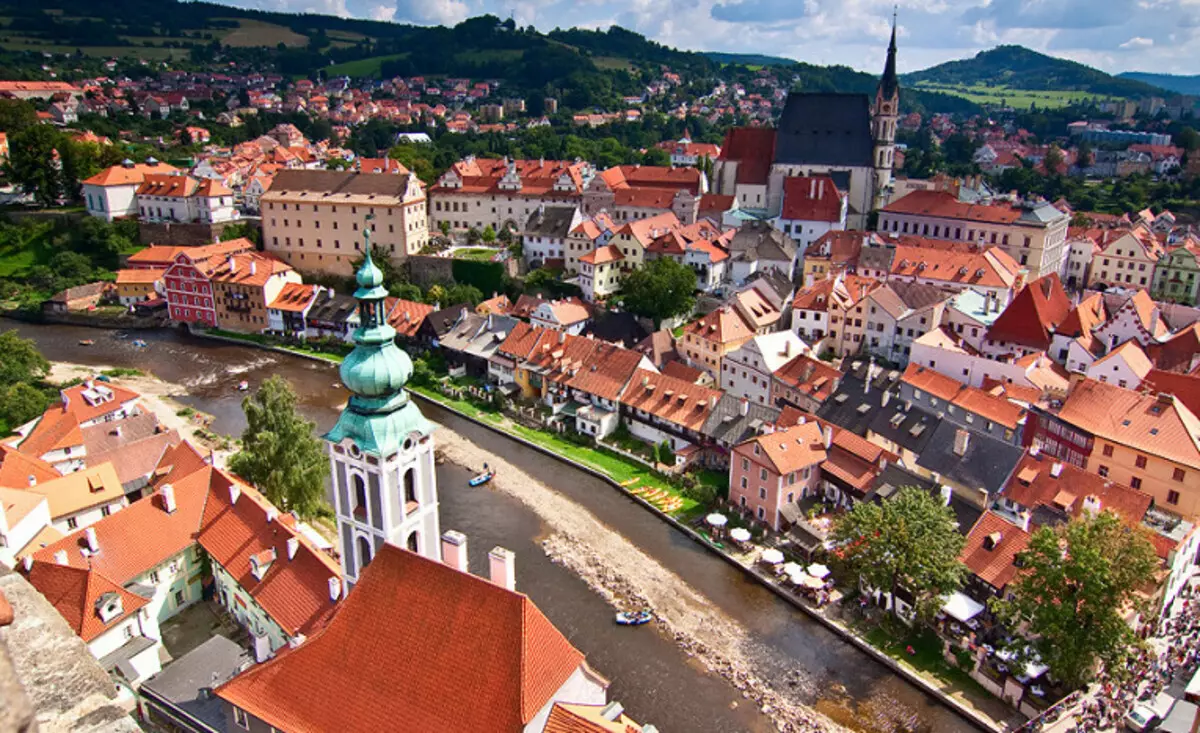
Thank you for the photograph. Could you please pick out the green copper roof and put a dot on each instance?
(379, 415)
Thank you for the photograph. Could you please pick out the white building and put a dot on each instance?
(600, 273)
(747, 371)
(112, 193)
(561, 315)
(546, 234)
(181, 198)
(812, 207)
(23, 514)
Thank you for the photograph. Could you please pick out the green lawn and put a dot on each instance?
(893, 639)
(251, 33)
(479, 254)
(24, 247)
(1016, 98)
(362, 67)
(613, 63)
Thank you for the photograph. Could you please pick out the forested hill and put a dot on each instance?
(1020, 68)
(1178, 83)
(747, 59)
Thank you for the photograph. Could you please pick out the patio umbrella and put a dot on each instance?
(740, 534)
(810, 582)
(716, 520)
(793, 569)
(817, 570)
(771, 556)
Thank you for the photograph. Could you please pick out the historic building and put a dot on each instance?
(381, 449)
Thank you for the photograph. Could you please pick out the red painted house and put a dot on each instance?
(189, 291)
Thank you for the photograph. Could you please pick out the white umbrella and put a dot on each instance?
(810, 582)
(793, 569)
(817, 570)
(771, 556)
(740, 534)
(716, 520)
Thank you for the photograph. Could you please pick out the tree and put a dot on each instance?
(464, 294)
(444, 228)
(489, 234)
(910, 541)
(100, 241)
(20, 361)
(31, 162)
(656, 156)
(16, 115)
(20, 403)
(659, 290)
(1079, 580)
(436, 295)
(408, 291)
(1053, 160)
(280, 455)
(539, 279)
(1083, 156)
(473, 236)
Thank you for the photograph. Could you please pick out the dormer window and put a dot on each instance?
(991, 541)
(108, 607)
(260, 563)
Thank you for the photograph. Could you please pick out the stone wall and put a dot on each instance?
(182, 235)
(424, 270)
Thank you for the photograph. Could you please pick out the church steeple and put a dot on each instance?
(889, 84)
(381, 449)
(885, 115)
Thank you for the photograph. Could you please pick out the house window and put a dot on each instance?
(762, 514)
(745, 483)
(1172, 497)
(239, 717)
(1135, 482)
(762, 492)
(745, 464)
(762, 474)
(1140, 462)
(1178, 475)
(72, 523)
(179, 598)
(1108, 450)
(1102, 470)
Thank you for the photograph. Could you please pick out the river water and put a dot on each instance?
(652, 677)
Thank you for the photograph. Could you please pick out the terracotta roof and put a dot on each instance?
(164, 256)
(1185, 387)
(571, 718)
(237, 269)
(1034, 314)
(991, 268)
(811, 198)
(137, 459)
(606, 372)
(294, 591)
(16, 504)
(142, 535)
(93, 399)
(293, 297)
(839, 246)
(811, 376)
(787, 450)
(167, 184)
(716, 203)
(566, 312)
(992, 545)
(603, 255)
(1162, 428)
(1133, 356)
(211, 188)
(76, 593)
(1179, 351)
(753, 148)
(990, 407)
(81, 490)
(679, 370)
(724, 325)
(16, 468)
(520, 341)
(499, 305)
(945, 205)
(932, 381)
(663, 178)
(526, 304)
(141, 276)
(647, 230)
(538, 177)
(119, 175)
(674, 400)
(1033, 483)
(406, 316)
(815, 297)
(1084, 317)
(56, 429)
(413, 635)
(182, 459)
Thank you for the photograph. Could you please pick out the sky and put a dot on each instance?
(1113, 35)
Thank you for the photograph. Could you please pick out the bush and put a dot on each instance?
(122, 372)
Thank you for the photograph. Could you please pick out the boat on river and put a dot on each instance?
(243, 386)
(633, 618)
(87, 342)
(139, 343)
(482, 478)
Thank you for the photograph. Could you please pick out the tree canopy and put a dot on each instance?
(661, 289)
(20, 360)
(1080, 579)
(910, 541)
(280, 453)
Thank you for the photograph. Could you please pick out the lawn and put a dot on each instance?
(362, 67)
(612, 63)
(487, 55)
(1016, 98)
(479, 254)
(23, 248)
(893, 638)
(17, 43)
(258, 33)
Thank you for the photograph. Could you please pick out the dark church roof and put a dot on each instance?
(825, 129)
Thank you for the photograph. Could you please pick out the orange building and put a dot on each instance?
(243, 285)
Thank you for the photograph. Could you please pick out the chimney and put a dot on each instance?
(60, 557)
(828, 436)
(229, 260)
(168, 498)
(32, 480)
(502, 568)
(887, 396)
(962, 439)
(1056, 469)
(271, 514)
(1023, 520)
(454, 550)
(92, 543)
(297, 640)
(946, 494)
(117, 431)
(1091, 505)
(744, 408)
(28, 561)
(335, 588)
(234, 493)
(1035, 451)
(812, 188)
(253, 267)
(293, 546)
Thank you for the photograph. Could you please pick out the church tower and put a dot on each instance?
(885, 114)
(381, 449)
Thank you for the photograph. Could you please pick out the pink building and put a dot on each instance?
(776, 469)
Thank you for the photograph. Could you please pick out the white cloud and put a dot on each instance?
(1138, 42)
(382, 12)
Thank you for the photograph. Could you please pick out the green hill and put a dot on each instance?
(1178, 83)
(1018, 68)
(747, 59)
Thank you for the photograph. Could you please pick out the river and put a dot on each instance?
(652, 677)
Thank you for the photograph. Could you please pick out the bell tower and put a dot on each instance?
(885, 113)
(381, 449)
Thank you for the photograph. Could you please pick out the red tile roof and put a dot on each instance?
(946, 205)
(56, 429)
(1126, 417)
(75, 593)
(811, 198)
(293, 297)
(16, 468)
(406, 316)
(811, 376)
(1186, 387)
(787, 450)
(994, 565)
(1033, 315)
(119, 175)
(413, 636)
(294, 591)
(603, 255)
(991, 268)
(606, 371)
(1033, 484)
(78, 404)
(723, 326)
(674, 400)
(753, 148)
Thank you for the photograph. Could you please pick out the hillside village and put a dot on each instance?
(780, 326)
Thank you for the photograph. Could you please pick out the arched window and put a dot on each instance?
(414, 542)
(360, 496)
(410, 490)
(364, 553)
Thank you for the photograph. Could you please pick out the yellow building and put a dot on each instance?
(706, 341)
(135, 286)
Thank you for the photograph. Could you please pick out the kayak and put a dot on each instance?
(86, 342)
(243, 386)
(635, 618)
(482, 478)
(139, 343)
